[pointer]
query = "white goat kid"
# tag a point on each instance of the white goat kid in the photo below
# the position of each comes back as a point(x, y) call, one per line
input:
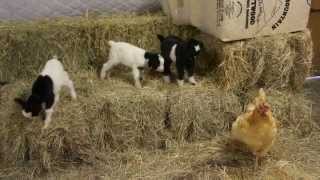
point(133, 57)
point(46, 91)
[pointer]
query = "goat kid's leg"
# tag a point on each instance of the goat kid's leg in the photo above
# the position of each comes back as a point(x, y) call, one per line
point(49, 111)
point(141, 72)
point(48, 119)
point(191, 78)
point(105, 68)
point(70, 85)
point(136, 76)
point(167, 71)
point(180, 71)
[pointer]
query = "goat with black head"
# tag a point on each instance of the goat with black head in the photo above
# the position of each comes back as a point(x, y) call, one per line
point(45, 91)
point(134, 57)
point(183, 53)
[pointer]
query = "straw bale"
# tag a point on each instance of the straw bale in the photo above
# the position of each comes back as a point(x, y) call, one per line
point(290, 158)
point(129, 117)
point(303, 47)
point(80, 43)
point(105, 129)
point(201, 112)
point(108, 116)
point(216, 158)
point(23, 141)
point(293, 110)
point(118, 130)
point(279, 62)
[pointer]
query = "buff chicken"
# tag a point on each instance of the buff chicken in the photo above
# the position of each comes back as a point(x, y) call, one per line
point(256, 128)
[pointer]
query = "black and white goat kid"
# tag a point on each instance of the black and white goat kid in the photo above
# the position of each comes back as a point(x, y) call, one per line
point(133, 57)
point(45, 91)
point(183, 54)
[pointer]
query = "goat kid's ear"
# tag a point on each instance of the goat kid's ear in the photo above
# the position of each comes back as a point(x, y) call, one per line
point(160, 37)
point(149, 56)
point(201, 45)
point(20, 102)
point(195, 41)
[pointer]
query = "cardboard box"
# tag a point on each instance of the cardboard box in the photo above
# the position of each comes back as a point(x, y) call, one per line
point(165, 7)
point(180, 10)
point(240, 19)
point(315, 4)
point(314, 25)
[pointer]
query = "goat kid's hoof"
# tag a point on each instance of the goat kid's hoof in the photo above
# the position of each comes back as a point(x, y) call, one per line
point(104, 76)
point(192, 81)
point(166, 79)
point(138, 86)
point(180, 83)
point(74, 97)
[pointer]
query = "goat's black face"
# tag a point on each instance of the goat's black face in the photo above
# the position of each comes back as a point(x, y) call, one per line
point(32, 107)
point(155, 61)
point(195, 47)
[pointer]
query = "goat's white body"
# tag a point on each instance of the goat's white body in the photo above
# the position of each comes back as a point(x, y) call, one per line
point(173, 56)
point(128, 55)
point(54, 69)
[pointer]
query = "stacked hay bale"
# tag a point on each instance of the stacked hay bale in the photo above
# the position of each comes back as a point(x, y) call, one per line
point(293, 110)
point(105, 118)
point(81, 43)
point(279, 62)
point(200, 113)
point(24, 142)
point(128, 118)
point(112, 117)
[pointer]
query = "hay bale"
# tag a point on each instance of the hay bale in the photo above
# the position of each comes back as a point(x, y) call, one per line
point(108, 116)
point(293, 110)
point(201, 112)
point(279, 62)
point(129, 117)
point(81, 43)
point(23, 142)
point(303, 47)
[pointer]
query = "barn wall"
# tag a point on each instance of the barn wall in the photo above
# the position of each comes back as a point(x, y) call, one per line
point(34, 9)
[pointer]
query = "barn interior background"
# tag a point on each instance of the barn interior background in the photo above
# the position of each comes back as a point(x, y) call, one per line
point(33, 9)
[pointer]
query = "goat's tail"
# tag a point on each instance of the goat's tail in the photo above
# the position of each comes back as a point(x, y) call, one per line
point(111, 43)
point(55, 57)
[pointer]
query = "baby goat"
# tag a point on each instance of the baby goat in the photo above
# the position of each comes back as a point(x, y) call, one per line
point(45, 91)
point(134, 57)
point(174, 49)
